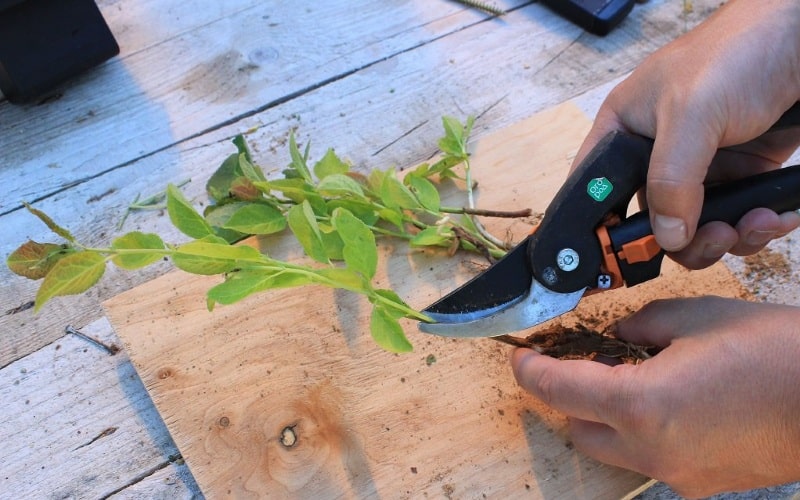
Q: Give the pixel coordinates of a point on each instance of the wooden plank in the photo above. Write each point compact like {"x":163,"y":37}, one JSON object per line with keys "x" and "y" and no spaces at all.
{"x":447,"y":420}
{"x":357,"y":114}
{"x":79,"y":424}
{"x":251,"y":58}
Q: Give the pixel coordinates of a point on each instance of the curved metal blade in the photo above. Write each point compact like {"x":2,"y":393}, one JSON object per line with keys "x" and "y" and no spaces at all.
{"x":537,"y":306}
{"x":507,"y":281}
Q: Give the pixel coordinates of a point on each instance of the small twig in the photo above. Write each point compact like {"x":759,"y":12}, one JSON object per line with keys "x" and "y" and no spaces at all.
{"x":104,"y":433}
{"x":110,"y":349}
{"x":154,"y":202}
{"x":487,"y":235}
{"x":482,"y":212}
{"x":514,"y":341}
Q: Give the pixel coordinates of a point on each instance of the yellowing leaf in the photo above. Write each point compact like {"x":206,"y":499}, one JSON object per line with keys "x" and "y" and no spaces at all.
{"x":212,"y":255}
{"x":71,"y":275}
{"x":50,"y":223}
{"x":137,"y":241}
{"x":34,"y":260}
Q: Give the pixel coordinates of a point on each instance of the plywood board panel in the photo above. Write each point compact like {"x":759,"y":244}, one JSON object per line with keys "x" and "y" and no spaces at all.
{"x":286,"y":395}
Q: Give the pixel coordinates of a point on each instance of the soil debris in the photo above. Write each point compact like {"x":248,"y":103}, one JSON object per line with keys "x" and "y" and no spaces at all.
{"x":580,"y":342}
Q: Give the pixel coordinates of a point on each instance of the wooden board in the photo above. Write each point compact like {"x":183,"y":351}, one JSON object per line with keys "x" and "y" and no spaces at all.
{"x":445,"y":421}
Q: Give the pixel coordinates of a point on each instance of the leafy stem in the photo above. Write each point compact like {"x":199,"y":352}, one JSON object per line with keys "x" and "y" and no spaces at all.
{"x":334,"y":213}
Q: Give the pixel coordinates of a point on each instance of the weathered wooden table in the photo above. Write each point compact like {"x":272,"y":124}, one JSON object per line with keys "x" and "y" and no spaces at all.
{"x":369,"y":78}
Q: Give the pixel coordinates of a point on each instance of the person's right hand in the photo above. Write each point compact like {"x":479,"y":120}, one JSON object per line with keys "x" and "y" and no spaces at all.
{"x":722,"y":85}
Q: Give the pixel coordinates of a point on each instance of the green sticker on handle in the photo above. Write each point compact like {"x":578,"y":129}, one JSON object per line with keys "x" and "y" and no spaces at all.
{"x":599,"y":188}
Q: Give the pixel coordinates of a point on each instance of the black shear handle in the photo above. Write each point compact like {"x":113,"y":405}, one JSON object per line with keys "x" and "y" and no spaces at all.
{"x":565,"y":253}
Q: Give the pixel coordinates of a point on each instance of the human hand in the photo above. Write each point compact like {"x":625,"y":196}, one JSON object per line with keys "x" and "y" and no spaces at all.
{"x":722,"y":85}
{"x":716,"y":410}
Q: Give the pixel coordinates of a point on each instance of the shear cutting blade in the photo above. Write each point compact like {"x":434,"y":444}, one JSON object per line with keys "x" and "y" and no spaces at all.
{"x":503,"y":299}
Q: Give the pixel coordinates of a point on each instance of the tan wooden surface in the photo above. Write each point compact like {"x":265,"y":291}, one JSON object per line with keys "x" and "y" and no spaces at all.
{"x":369,"y":78}
{"x":370,"y":423}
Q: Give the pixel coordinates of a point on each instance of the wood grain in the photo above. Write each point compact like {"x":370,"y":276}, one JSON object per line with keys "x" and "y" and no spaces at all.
{"x":126,"y":128}
{"x":447,"y":420}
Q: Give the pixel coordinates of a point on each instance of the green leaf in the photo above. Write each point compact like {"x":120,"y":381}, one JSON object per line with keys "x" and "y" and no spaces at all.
{"x":363,"y":209}
{"x":50,"y":223}
{"x":218,"y":186}
{"x":183,"y":215}
{"x":334,"y":246}
{"x":303,"y":224}
{"x":213,"y":255}
{"x":251,"y":171}
{"x":395,"y":194}
{"x":34,"y":260}
{"x":360,"y":253}
{"x":297,"y":190}
{"x":330,"y":164}
{"x":137,"y":241}
{"x":375,"y":179}
{"x":392,"y":216}
{"x":218,"y":215}
{"x":391,"y":296}
{"x":299,"y":161}
{"x":444,"y":167}
{"x":240,"y":284}
{"x":343,"y":278}
{"x":433,"y":236}
{"x":256,"y":218}
{"x":241,"y":146}
{"x":337,"y":185}
{"x":71,"y":275}
{"x":387,"y":332}
{"x":454,"y":141}
{"x":425,"y":191}
{"x":216,"y":248}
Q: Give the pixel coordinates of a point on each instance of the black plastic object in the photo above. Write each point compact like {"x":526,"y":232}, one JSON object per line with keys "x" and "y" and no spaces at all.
{"x":778,"y":190}
{"x":45,"y":42}
{"x":620,"y":162}
{"x":595,"y":16}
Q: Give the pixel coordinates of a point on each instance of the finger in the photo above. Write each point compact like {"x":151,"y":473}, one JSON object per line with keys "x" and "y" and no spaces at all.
{"x":789,"y":222}
{"x":605,"y":122}
{"x":760,"y":226}
{"x":755,"y":229}
{"x":599,"y":441}
{"x":684,"y":148}
{"x":662,"y":321}
{"x":710,"y":243}
{"x":578,"y":388}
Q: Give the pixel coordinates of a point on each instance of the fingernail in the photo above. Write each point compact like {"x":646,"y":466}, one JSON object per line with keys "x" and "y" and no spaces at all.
{"x":670,"y":232}
{"x":759,"y":238}
{"x":714,"y":251}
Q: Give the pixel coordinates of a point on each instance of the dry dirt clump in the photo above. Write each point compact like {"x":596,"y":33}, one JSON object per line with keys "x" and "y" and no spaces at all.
{"x":580,"y":342}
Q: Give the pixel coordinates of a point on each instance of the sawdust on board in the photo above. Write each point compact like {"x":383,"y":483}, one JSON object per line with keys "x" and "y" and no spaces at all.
{"x":767,"y":264}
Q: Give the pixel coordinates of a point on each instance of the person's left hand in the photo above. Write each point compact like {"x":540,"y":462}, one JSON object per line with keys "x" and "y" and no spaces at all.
{"x":718,"y":409}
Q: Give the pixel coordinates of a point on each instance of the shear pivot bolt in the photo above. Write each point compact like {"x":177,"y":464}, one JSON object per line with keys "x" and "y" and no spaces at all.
{"x":567,"y":259}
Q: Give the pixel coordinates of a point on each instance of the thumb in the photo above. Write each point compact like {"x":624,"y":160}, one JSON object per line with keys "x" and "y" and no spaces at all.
{"x":682,"y":153}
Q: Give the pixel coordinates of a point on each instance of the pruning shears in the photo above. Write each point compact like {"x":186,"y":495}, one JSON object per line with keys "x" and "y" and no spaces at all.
{"x":585,"y":244}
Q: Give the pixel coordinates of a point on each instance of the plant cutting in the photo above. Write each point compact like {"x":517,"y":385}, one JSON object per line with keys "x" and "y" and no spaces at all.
{"x":334,"y":213}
